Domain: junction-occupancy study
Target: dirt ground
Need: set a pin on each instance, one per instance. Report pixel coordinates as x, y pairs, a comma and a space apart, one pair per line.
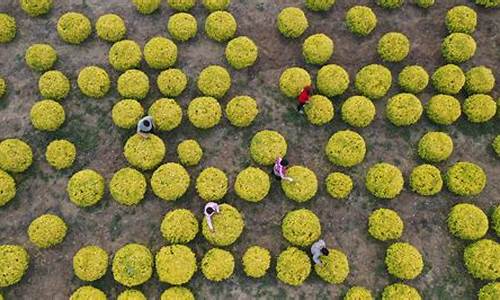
110, 225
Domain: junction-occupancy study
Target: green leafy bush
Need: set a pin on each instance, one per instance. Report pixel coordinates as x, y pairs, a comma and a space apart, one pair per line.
301, 227
214, 5
490, 291
204, 112
448, 79
339, 185
346, 148
85, 188
479, 80
170, 181
146, 7
126, 113
293, 80
181, 5
217, 264
293, 266
292, 22
179, 226
172, 82
443, 109
111, 28
304, 185
241, 52
404, 109
7, 188
384, 181
319, 110
189, 152
14, 261
125, 55
7, 28
132, 265
256, 261
47, 231
390, 4
36, 8
40, 57
488, 3
166, 113
332, 80
496, 145
480, 108
90, 263
15, 155
144, 154
175, 264
182, 26
228, 225
319, 5
94, 82
54, 85
133, 84
212, 184
266, 146
435, 146
220, 26
160, 53
252, 184
317, 49
241, 111
358, 111
403, 261
74, 28
424, 3
47, 115
400, 291
426, 180
413, 79
128, 186
373, 81
358, 293
458, 47
461, 18
360, 20
465, 179
88, 292
467, 221
393, 47
214, 81
334, 268
482, 259
385, 224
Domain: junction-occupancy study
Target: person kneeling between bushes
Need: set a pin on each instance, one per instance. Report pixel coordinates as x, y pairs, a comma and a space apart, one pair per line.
319, 249
145, 126
280, 169
211, 208
304, 97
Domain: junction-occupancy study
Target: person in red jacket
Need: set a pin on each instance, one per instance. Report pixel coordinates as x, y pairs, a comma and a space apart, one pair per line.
304, 97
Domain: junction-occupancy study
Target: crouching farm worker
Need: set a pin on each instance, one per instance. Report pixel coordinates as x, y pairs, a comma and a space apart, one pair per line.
280, 169
319, 249
145, 126
303, 98
211, 208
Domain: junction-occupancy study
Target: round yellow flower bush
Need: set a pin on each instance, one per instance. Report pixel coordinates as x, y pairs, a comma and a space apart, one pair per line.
214, 5
40, 57
293, 266
346, 148
175, 264
293, 80
132, 265
228, 225
54, 85
488, 3
256, 261
292, 22
358, 293
241, 52
319, 5
60, 154
15, 155
334, 268
74, 28
404, 109
467, 221
252, 184
160, 53
204, 112
358, 111
339, 185
7, 188
133, 84
126, 113
435, 146
7, 28
426, 180
181, 5
360, 20
177, 293
462, 19
403, 261
384, 181
479, 80
14, 261
399, 291
385, 224
144, 154
47, 115
393, 47
304, 185
319, 110
390, 4
241, 111
189, 152
125, 55
465, 179
301, 227
482, 259
172, 82
179, 226
47, 230
36, 8
111, 28
131, 295
217, 264
214, 81
88, 292
128, 186
3, 87
490, 291
94, 82
170, 181
332, 80
220, 26
448, 79
182, 26
166, 113
443, 109
90, 263
373, 81
458, 47
495, 144
479, 108
413, 79
85, 188
146, 7
317, 49
424, 3
266, 146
